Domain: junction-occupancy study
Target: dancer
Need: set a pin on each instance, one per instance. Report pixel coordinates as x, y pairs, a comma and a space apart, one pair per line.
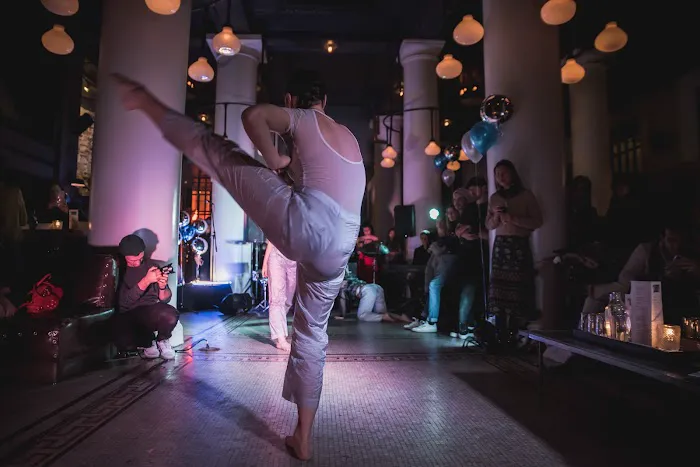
282, 283
314, 223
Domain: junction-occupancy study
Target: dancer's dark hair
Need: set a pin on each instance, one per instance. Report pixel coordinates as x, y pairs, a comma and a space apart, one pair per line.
307, 87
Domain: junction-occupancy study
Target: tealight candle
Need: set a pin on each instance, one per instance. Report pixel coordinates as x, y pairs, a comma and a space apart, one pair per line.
671, 338
58, 225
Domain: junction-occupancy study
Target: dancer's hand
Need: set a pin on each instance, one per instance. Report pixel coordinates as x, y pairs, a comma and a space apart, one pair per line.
131, 93
264, 269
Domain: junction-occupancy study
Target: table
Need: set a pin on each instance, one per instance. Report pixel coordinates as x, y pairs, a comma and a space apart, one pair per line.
565, 340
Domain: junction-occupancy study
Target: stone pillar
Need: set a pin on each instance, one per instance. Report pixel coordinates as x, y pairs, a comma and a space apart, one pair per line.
236, 90
521, 61
385, 186
590, 129
421, 182
135, 172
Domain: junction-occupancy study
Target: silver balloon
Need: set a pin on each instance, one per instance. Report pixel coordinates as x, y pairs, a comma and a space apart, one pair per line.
496, 109
200, 226
200, 245
451, 153
448, 177
468, 147
184, 218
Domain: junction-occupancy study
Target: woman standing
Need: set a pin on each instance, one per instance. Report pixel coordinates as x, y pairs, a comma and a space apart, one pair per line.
514, 214
282, 283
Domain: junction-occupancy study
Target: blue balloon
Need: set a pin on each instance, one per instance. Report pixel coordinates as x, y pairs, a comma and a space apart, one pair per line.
440, 161
483, 135
187, 232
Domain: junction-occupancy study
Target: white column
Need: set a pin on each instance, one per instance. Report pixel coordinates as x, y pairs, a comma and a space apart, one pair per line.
135, 172
421, 182
236, 90
521, 61
385, 186
590, 129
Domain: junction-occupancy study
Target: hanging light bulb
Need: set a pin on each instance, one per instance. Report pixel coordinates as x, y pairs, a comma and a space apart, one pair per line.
56, 40
463, 156
389, 152
449, 67
330, 46
557, 12
201, 71
163, 7
611, 39
432, 149
468, 32
226, 42
572, 72
453, 166
61, 7
387, 163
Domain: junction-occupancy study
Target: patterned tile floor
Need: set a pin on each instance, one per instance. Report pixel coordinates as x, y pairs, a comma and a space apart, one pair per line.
391, 398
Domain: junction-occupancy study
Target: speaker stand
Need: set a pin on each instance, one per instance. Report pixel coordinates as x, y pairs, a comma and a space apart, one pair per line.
263, 307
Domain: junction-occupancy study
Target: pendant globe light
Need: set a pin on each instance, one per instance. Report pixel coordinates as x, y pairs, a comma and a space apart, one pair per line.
449, 67
611, 39
56, 40
163, 7
226, 43
61, 7
387, 163
557, 12
201, 71
432, 149
389, 152
453, 166
572, 72
468, 32
463, 156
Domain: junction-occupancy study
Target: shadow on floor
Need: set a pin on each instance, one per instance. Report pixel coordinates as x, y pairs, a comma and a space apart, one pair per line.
585, 426
202, 393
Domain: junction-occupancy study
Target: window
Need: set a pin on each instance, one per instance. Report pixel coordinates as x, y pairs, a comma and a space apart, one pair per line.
627, 156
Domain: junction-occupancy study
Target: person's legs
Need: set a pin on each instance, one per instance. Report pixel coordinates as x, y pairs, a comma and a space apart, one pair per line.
466, 304
277, 285
434, 292
368, 298
304, 377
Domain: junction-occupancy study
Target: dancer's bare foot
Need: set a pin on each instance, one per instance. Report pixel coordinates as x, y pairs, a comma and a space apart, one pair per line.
386, 317
282, 344
298, 448
403, 318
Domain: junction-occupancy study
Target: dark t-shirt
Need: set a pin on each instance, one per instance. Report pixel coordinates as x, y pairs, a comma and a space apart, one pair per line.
421, 256
130, 295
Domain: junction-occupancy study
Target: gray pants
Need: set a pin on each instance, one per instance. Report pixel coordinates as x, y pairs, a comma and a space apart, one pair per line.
306, 225
372, 303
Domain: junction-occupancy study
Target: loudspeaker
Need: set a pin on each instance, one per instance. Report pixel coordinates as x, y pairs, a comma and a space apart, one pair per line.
235, 303
405, 220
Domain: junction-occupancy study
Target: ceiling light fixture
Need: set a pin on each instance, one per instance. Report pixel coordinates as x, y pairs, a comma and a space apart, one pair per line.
558, 12
330, 46
226, 43
61, 7
387, 163
449, 67
201, 71
611, 39
56, 40
572, 72
163, 7
468, 32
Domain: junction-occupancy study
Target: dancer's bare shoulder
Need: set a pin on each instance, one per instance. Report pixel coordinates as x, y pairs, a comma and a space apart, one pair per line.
340, 139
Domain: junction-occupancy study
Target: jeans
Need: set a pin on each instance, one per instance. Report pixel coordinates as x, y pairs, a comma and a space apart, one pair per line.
372, 303
466, 304
136, 327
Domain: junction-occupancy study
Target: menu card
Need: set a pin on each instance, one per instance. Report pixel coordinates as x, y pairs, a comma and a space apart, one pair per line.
647, 314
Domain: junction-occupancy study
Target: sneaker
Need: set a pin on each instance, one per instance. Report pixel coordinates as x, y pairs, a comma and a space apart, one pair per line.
166, 350
414, 324
150, 352
425, 327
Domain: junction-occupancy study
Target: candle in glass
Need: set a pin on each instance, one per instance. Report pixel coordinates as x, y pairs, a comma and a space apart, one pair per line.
671, 338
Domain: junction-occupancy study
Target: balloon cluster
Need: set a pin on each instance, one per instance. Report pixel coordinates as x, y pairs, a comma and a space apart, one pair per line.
495, 110
190, 231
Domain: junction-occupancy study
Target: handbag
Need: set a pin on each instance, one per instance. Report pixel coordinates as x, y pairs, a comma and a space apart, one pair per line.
44, 296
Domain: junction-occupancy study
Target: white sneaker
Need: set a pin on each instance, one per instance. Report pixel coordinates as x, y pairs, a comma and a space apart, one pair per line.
425, 327
166, 350
150, 352
413, 324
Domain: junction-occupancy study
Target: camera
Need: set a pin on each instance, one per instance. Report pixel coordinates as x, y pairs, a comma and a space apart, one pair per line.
167, 269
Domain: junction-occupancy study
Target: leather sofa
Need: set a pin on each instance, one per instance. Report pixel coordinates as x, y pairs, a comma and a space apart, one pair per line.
49, 347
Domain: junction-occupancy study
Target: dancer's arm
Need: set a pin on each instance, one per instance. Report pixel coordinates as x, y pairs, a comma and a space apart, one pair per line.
266, 258
258, 121
206, 149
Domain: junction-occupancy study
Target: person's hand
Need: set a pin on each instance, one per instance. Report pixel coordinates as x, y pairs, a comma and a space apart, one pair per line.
500, 209
265, 270
198, 260
686, 265
506, 218
152, 275
130, 92
162, 280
